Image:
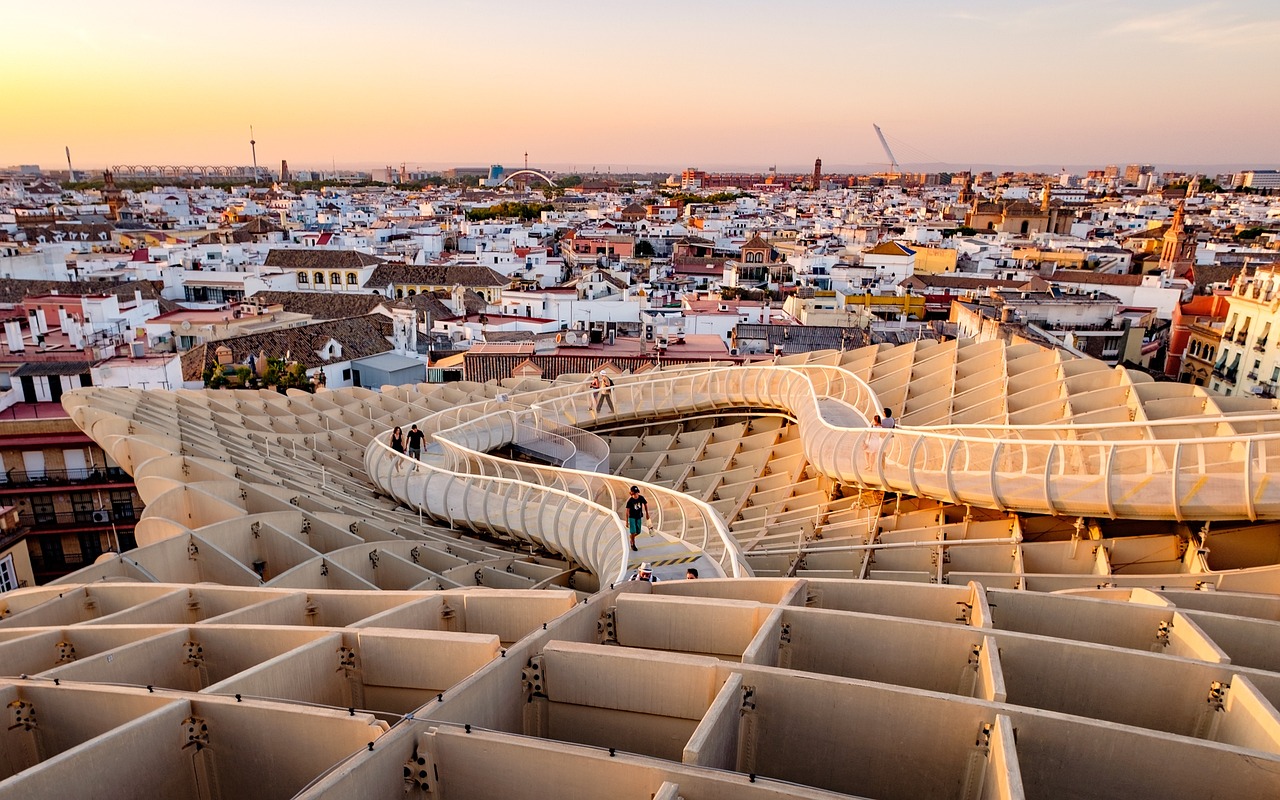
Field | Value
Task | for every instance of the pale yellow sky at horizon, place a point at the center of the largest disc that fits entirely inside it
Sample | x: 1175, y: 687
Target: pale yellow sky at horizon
x: 717, y: 84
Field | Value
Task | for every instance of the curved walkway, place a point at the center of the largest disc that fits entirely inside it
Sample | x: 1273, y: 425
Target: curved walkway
x: 1180, y: 468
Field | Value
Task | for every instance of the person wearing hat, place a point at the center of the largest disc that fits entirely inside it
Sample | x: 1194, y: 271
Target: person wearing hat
x: 645, y: 573
x: 637, y: 510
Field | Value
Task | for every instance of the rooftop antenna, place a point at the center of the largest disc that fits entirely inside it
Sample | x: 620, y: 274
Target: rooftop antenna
x: 253, y: 147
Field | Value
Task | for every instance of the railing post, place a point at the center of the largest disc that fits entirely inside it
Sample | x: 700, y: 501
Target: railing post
x: 1248, y: 480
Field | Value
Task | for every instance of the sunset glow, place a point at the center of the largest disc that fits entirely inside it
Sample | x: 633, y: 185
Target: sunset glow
x: 658, y: 85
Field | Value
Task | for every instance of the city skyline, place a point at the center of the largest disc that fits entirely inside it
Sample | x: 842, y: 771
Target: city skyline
x: 733, y: 86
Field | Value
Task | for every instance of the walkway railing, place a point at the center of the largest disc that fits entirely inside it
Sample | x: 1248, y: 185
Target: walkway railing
x: 1180, y: 468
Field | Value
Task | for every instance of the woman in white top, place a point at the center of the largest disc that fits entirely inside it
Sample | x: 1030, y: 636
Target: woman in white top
x: 871, y: 444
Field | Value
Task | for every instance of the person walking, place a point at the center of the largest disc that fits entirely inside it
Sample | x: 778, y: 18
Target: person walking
x: 691, y: 574
x: 602, y: 387
x: 888, y: 421
x: 396, y: 442
x: 637, y: 510
x: 414, y: 439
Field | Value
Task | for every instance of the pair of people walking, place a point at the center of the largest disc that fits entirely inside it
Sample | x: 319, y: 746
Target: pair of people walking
x: 411, y: 441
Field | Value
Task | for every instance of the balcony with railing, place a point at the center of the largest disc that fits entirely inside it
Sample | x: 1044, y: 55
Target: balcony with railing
x: 1261, y: 345
x: 121, y: 514
x: 36, y: 479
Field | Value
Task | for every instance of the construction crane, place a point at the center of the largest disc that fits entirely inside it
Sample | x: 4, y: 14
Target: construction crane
x: 893, y: 162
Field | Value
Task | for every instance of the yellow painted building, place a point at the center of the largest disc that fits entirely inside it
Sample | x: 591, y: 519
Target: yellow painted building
x: 935, y: 260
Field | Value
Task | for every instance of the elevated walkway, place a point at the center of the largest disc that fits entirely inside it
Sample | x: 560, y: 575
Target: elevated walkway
x: 1183, y: 465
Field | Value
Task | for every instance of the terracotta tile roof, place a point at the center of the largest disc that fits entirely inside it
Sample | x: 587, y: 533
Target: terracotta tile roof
x: 467, y: 275
x: 1085, y: 276
x: 433, y: 303
x: 13, y: 290
x: 324, y: 305
x: 320, y: 259
x: 359, y: 337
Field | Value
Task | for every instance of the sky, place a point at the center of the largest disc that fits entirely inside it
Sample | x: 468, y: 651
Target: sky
x: 717, y: 84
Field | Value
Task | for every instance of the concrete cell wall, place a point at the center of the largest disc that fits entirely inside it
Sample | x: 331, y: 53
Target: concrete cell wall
x: 1249, y: 720
x: 922, y: 655
x: 930, y: 602
x: 794, y: 730
x: 308, y: 673
x: 1076, y: 618
x: 124, y: 762
x: 714, y: 743
x: 257, y: 751
x: 1123, y: 686
x: 154, y: 661
x: 718, y: 627
x: 645, y: 734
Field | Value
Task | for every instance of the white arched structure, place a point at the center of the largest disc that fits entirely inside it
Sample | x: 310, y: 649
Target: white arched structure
x: 535, y: 173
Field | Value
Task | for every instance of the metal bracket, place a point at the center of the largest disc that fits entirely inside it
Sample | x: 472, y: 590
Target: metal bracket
x: 1218, y: 695
x: 748, y: 700
x: 346, y: 660
x: 413, y: 554
x: 975, y: 656
x: 966, y: 612
x: 984, y: 736
x: 192, y: 551
x: 194, y: 653
x: 256, y: 529
x: 373, y: 558
x: 306, y: 525
x: 197, y: 731
x: 420, y: 772
x: 66, y: 652
x: 23, y: 715
x: 784, y: 637
x: 1162, y: 632
x: 532, y: 678
x: 607, y: 626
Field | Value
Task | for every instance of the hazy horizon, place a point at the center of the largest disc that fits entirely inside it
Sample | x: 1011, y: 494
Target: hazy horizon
x: 716, y: 85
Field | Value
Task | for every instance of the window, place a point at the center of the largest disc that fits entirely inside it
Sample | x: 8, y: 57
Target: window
x: 346, y: 374
x: 335, y: 279
x: 319, y: 278
x: 122, y: 505
x: 302, y: 277
x: 90, y: 545
x: 42, y: 510
x: 351, y: 279
x: 8, y: 574
x: 82, y: 506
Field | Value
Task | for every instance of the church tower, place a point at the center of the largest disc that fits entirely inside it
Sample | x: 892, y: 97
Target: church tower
x: 112, y: 195
x: 1179, y: 245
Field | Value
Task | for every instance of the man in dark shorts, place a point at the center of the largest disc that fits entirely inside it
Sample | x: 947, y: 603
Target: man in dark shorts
x: 637, y: 510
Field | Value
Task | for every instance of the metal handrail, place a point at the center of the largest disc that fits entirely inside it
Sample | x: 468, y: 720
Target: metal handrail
x: 1141, y: 476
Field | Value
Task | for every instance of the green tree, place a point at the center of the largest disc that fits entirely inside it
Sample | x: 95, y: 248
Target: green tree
x: 643, y: 249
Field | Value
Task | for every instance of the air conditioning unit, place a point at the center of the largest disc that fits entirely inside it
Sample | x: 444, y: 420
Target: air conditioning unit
x: 102, y: 516
x: 733, y: 351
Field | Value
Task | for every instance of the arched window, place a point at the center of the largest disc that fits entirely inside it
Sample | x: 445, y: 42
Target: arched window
x: 399, y: 294
x: 319, y: 276
x: 412, y: 292
x: 302, y: 277
x: 335, y: 278
x: 351, y: 278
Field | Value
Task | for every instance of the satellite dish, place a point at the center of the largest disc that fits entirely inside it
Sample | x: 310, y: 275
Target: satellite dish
x: 186, y: 324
